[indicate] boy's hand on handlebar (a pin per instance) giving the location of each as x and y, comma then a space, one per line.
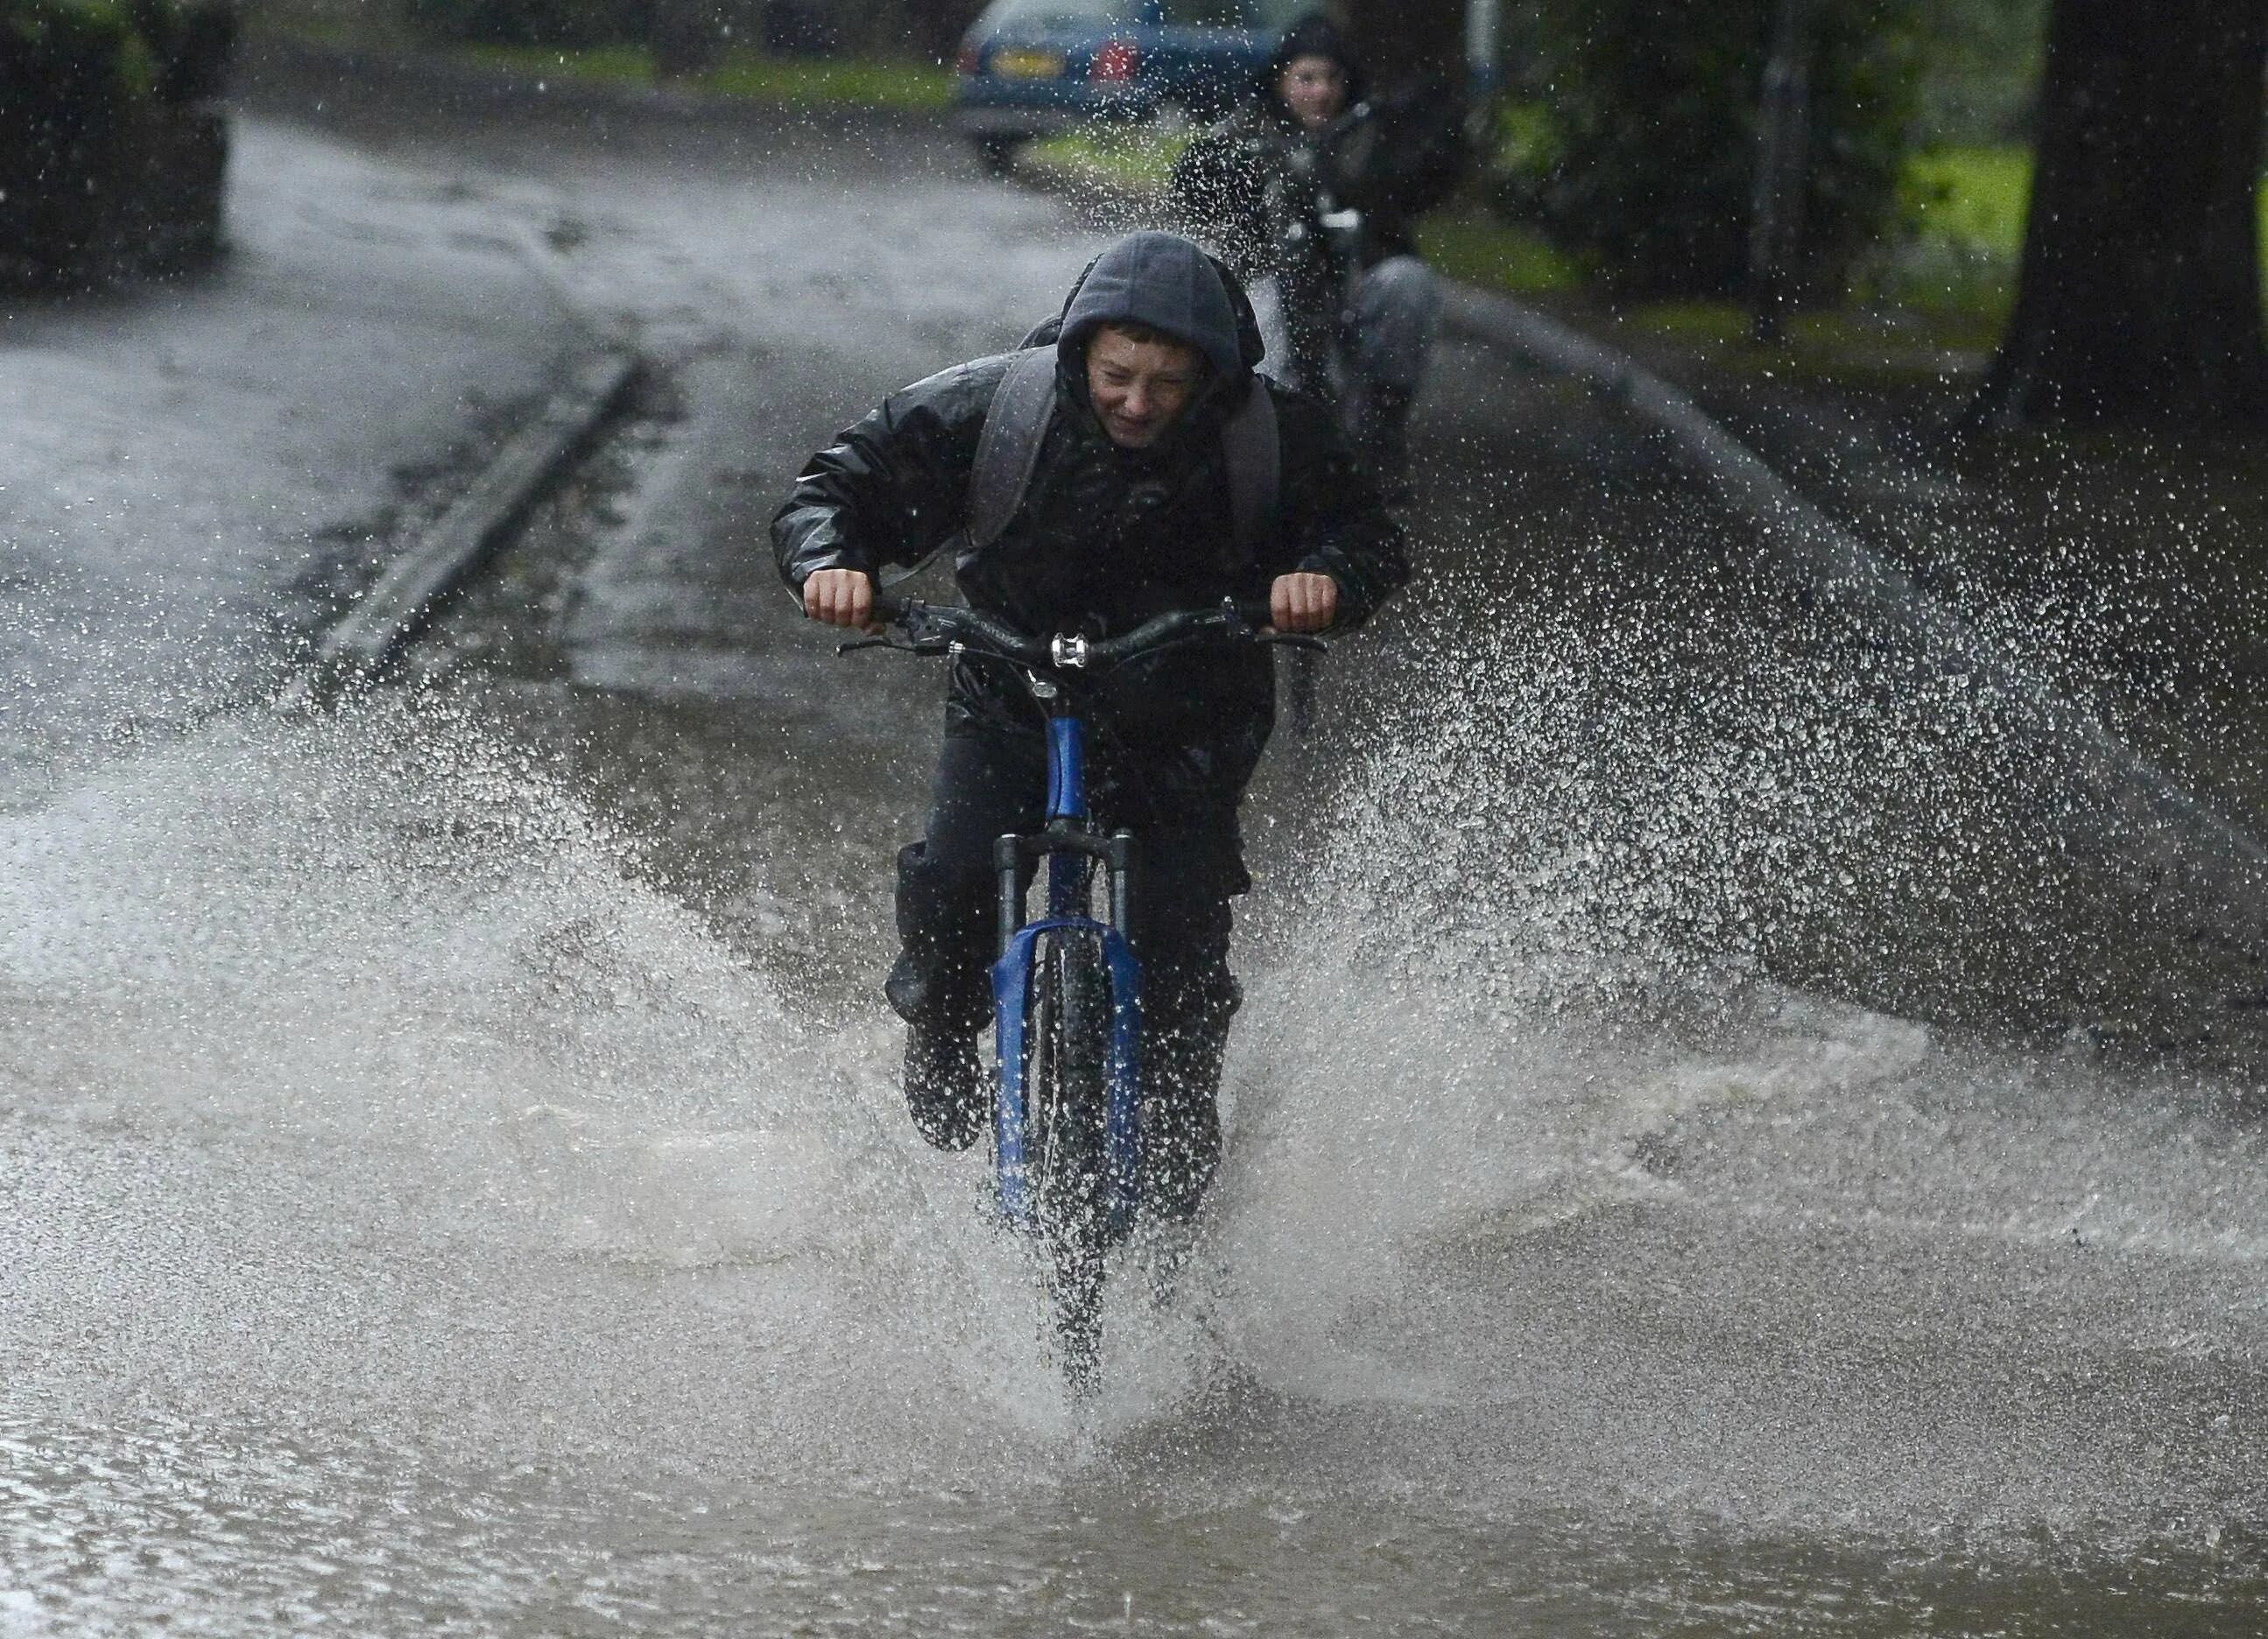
840, 597
1303, 603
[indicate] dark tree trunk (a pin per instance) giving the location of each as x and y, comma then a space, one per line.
686, 38
1402, 42
937, 26
2139, 302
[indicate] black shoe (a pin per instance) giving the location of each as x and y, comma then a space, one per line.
944, 1086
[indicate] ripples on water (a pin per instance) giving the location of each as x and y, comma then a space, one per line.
117, 1530
414, 1220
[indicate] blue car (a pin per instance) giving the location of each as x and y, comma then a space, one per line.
1031, 68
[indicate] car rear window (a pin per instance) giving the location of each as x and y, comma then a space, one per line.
1207, 14
1058, 13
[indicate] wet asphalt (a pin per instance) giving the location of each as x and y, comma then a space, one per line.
1704, 1156
1603, 760
200, 470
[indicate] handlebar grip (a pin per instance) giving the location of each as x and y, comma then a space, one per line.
889, 606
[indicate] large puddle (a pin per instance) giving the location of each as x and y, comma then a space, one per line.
452, 1177
417, 1218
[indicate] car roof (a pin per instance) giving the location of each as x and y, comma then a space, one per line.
1268, 17
1059, 13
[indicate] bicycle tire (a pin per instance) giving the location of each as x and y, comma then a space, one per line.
1067, 1082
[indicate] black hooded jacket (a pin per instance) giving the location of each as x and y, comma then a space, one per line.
1108, 537
1255, 184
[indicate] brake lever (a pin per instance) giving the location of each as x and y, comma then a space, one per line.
1293, 640
851, 645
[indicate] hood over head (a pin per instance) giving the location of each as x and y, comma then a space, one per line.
1169, 284
1314, 35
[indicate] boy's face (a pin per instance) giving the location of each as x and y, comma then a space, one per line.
1139, 388
1314, 89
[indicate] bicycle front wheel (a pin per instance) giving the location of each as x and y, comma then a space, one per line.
1067, 1082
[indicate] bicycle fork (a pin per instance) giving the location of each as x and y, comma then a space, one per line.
1071, 849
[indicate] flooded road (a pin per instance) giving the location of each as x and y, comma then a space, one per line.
455, 1178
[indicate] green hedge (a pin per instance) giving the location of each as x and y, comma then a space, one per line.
72, 79
1651, 110
106, 161
62, 53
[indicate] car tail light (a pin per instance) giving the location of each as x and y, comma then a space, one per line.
1115, 64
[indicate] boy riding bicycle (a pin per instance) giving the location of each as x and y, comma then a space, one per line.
1134, 494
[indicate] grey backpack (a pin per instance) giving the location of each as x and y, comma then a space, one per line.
1017, 423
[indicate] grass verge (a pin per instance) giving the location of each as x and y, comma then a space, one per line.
1469, 244
863, 82
744, 75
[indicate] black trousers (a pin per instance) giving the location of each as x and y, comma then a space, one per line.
1187, 866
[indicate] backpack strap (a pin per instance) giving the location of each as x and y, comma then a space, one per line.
1009, 447
1254, 448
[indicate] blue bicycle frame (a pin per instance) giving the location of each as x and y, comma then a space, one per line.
1071, 848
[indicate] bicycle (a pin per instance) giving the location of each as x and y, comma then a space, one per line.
1066, 1127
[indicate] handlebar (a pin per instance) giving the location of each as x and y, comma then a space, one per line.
936, 627
939, 629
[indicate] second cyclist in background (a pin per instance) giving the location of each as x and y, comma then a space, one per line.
1315, 189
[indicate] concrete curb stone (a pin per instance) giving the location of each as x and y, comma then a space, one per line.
468, 533
474, 528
